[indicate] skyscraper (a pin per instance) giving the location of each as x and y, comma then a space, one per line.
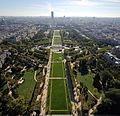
52, 14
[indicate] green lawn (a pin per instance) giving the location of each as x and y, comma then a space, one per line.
57, 57
87, 80
27, 87
56, 33
58, 98
57, 70
57, 67
57, 40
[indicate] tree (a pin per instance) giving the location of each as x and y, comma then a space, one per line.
96, 82
111, 102
99, 65
92, 63
117, 84
105, 107
83, 67
106, 78
17, 106
85, 92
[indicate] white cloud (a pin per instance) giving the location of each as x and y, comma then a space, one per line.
45, 6
94, 2
75, 7
83, 3
113, 1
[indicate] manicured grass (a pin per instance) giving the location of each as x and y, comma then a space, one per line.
57, 57
58, 98
87, 80
57, 40
56, 33
57, 70
27, 87
60, 112
57, 67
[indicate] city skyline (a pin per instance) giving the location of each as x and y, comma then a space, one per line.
76, 8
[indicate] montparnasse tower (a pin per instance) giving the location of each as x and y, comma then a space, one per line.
52, 14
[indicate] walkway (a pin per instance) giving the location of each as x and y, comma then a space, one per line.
45, 90
90, 113
35, 76
57, 78
91, 94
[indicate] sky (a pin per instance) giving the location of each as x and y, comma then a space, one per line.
76, 8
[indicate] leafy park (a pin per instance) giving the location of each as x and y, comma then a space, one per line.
27, 87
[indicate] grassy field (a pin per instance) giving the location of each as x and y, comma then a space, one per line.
27, 87
57, 70
57, 67
57, 38
57, 57
87, 80
56, 33
58, 95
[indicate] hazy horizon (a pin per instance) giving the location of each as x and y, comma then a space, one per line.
68, 8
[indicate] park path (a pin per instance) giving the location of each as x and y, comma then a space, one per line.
58, 78
35, 76
45, 89
90, 113
92, 94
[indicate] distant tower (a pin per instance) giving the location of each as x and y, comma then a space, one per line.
52, 14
